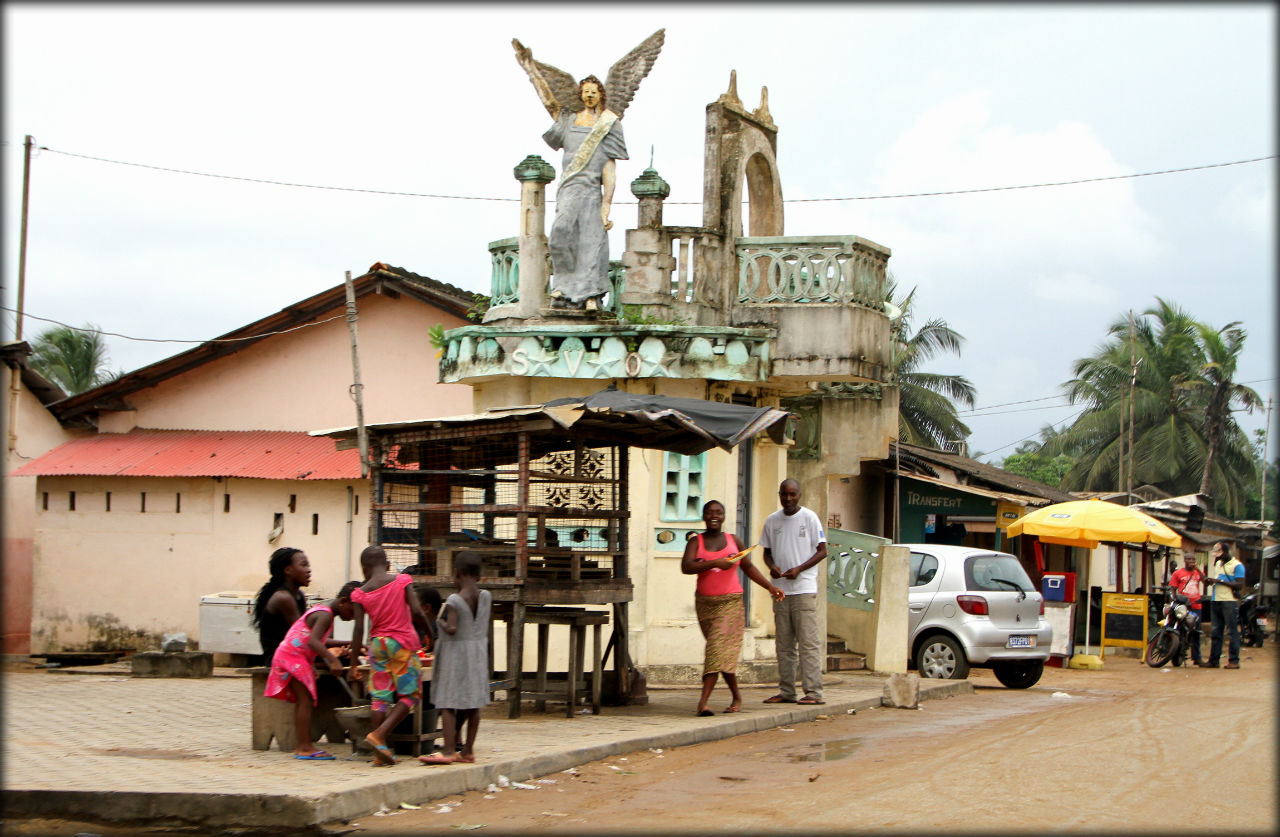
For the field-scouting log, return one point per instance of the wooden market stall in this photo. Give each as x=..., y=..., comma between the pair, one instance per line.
x=540, y=494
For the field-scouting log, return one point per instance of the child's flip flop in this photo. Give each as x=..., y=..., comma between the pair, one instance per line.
x=381, y=752
x=317, y=755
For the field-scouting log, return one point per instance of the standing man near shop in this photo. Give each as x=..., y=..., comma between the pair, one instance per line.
x=1190, y=582
x=1228, y=581
x=794, y=544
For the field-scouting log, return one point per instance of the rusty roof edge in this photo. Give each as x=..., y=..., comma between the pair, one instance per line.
x=68, y=409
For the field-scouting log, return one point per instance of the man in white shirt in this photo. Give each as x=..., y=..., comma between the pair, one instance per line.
x=794, y=544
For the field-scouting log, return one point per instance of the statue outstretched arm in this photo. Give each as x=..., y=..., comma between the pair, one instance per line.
x=608, y=178
x=524, y=57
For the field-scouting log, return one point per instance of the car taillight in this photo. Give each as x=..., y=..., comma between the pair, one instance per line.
x=973, y=605
x=1042, y=606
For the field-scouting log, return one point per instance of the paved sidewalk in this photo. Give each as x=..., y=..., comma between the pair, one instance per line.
x=112, y=747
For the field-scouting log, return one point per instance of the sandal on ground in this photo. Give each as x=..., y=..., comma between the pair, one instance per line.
x=314, y=755
x=705, y=713
x=382, y=754
x=779, y=699
x=440, y=758
x=732, y=709
x=810, y=701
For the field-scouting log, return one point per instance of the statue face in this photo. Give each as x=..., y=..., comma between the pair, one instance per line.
x=591, y=94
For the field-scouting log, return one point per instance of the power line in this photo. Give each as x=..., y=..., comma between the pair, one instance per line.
x=174, y=340
x=1010, y=404
x=1033, y=435
x=675, y=203
x=1024, y=410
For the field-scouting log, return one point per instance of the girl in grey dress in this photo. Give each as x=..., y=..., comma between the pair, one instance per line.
x=460, y=673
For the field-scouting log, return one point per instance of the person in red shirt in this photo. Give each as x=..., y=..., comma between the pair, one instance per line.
x=1190, y=582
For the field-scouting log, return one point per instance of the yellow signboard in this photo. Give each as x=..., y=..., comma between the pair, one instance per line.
x=1007, y=512
x=1124, y=620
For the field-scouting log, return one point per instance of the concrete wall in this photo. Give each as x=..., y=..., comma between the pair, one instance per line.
x=120, y=578
x=35, y=431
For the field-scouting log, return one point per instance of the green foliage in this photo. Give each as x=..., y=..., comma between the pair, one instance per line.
x=1185, y=439
x=73, y=358
x=1031, y=461
x=1038, y=467
x=926, y=400
x=436, y=334
x=479, y=308
x=634, y=315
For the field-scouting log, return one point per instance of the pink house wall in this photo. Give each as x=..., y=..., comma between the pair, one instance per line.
x=300, y=381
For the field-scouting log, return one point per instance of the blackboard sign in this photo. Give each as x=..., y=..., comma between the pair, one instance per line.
x=1124, y=620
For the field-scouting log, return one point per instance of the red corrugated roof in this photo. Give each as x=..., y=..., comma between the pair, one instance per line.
x=253, y=454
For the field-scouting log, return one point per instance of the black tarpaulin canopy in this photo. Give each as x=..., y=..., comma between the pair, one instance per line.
x=681, y=425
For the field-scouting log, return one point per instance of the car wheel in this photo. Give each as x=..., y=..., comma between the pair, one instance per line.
x=1021, y=674
x=941, y=657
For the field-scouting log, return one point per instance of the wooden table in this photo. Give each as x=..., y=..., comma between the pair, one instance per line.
x=576, y=619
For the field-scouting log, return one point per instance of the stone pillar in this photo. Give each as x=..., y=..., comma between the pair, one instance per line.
x=648, y=255
x=534, y=174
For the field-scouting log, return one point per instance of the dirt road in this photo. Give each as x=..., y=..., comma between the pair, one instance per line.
x=1127, y=749
x=1082, y=751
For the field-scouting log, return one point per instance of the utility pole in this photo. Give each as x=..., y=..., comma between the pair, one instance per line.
x=15, y=378
x=22, y=241
x=357, y=388
x=1133, y=381
x=1266, y=437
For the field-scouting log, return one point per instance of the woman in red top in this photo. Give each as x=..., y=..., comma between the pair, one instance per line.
x=719, y=601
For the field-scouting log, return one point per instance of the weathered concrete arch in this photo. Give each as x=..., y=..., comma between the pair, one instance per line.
x=764, y=196
x=741, y=161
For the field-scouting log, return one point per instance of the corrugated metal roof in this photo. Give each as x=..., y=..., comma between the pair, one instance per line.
x=251, y=454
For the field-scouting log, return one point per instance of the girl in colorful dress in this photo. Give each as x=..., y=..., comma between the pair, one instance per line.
x=718, y=602
x=293, y=674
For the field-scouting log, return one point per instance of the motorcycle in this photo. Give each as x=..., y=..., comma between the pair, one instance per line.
x=1252, y=619
x=1172, y=642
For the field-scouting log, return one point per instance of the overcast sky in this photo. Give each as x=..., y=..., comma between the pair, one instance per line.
x=869, y=100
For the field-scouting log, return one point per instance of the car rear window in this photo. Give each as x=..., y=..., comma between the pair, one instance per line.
x=923, y=569
x=995, y=571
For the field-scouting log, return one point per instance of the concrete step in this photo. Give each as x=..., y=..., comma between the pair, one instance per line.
x=846, y=661
x=835, y=644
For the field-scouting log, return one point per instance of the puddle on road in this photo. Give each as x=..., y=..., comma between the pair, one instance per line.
x=143, y=753
x=829, y=750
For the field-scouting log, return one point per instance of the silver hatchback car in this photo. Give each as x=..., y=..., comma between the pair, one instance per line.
x=974, y=607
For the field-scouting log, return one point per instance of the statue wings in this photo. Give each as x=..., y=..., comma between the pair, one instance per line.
x=620, y=87
x=627, y=71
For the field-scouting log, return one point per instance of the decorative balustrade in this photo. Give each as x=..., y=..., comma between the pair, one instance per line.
x=504, y=281
x=504, y=284
x=692, y=271
x=820, y=269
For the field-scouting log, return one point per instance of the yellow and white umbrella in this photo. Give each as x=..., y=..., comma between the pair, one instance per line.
x=1087, y=523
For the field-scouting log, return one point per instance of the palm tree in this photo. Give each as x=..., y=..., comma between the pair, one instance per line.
x=1166, y=426
x=926, y=400
x=1221, y=349
x=1171, y=404
x=73, y=358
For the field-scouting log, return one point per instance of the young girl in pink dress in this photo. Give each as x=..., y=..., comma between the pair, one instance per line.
x=293, y=674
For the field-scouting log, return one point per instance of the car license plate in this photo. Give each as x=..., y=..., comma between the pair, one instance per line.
x=1021, y=642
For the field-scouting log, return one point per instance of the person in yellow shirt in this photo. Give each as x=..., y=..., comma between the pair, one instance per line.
x=1228, y=581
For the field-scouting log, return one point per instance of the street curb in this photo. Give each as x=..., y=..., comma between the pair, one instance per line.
x=293, y=810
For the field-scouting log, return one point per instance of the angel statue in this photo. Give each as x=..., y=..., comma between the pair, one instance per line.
x=588, y=127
